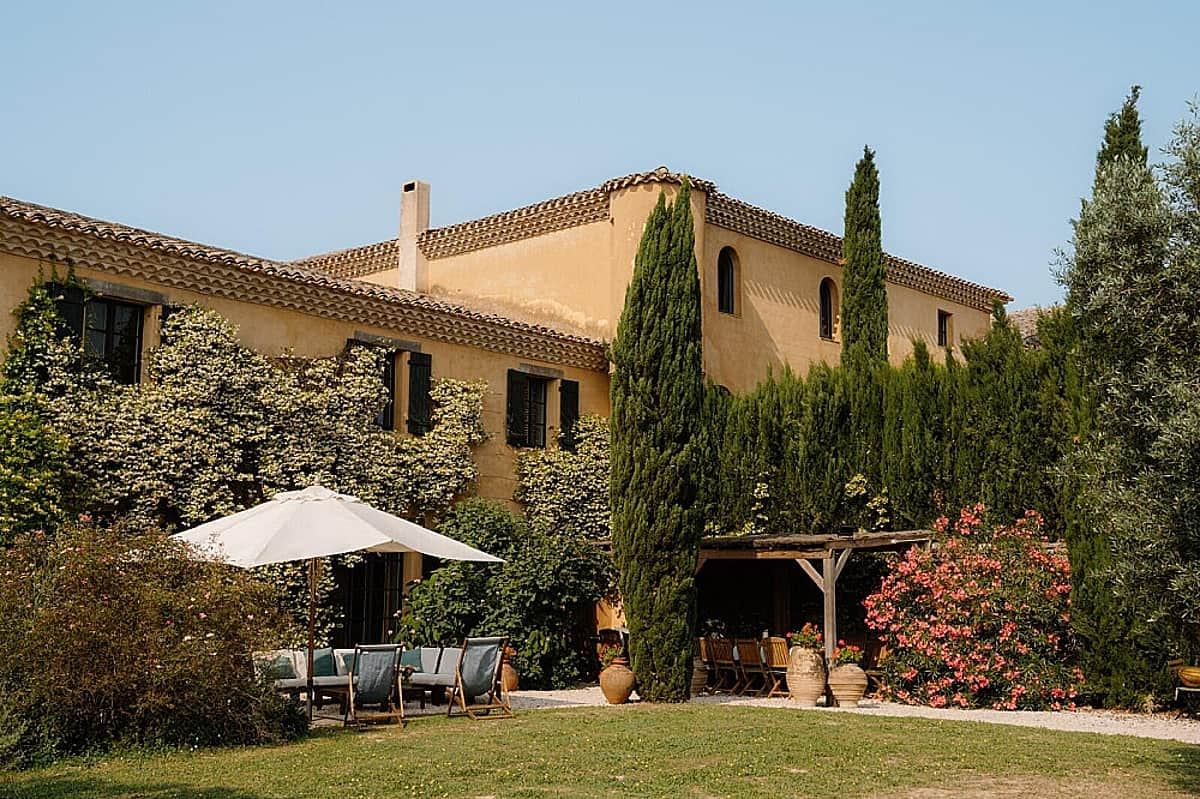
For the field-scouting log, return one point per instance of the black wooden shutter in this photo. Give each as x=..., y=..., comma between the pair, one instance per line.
x=518, y=409
x=70, y=302
x=420, y=405
x=568, y=413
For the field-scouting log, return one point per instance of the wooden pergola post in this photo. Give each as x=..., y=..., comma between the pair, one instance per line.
x=826, y=580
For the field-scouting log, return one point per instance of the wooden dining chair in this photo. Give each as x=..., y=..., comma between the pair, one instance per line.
x=750, y=665
x=775, y=659
x=709, y=666
x=728, y=676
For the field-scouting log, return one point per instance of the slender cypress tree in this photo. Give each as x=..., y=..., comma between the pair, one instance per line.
x=657, y=397
x=864, y=319
x=864, y=295
x=1123, y=134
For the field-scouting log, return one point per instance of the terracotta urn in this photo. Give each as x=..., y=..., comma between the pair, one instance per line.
x=805, y=676
x=848, y=683
x=616, y=681
x=508, y=678
x=699, y=676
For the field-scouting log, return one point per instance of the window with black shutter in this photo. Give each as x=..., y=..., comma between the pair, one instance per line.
x=526, y=410
x=70, y=301
x=568, y=413
x=112, y=333
x=387, y=414
x=165, y=314
x=420, y=404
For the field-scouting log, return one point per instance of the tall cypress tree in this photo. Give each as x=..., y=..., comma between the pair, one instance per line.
x=864, y=295
x=864, y=318
x=657, y=397
x=1123, y=134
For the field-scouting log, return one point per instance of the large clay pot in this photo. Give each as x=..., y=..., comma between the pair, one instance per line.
x=699, y=676
x=616, y=682
x=848, y=683
x=805, y=676
x=508, y=678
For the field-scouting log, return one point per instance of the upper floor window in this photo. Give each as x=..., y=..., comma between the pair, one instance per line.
x=387, y=414
x=727, y=281
x=945, y=328
x=113, y=334
x=420, y=403
x=827, y=314
x=526, y=410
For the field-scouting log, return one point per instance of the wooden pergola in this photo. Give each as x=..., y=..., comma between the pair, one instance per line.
x=830, y=552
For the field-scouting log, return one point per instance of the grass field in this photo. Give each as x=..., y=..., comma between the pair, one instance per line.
x=635, y=751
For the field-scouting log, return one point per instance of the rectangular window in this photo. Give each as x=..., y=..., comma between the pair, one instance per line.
x=387, y=414
x=420, y=405
x=112, y=333
x=568, y=413
x=526, y=410
x=945, y=330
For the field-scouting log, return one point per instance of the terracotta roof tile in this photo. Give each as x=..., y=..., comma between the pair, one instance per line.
x=38, y=231
x=591, y=205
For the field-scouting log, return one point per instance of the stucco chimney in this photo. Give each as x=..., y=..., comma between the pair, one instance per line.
x=414, y=220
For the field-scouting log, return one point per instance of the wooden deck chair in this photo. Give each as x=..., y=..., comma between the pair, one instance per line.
x=750, y=664
x=709, y=666
x=728, y=676
x=374, y=679
x=775, y=658
x=478, y=675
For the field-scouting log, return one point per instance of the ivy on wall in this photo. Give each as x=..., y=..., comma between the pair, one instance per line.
x=216, y=427
x=567, y=492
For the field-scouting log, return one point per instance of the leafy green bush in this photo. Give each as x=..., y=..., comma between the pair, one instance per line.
x=541, y=597
x=33, y=471
x=113, y=636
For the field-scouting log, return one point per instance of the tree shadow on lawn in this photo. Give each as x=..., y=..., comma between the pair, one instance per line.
x=81, y=787
x=1183, y=768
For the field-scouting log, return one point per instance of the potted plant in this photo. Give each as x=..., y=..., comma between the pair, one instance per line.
x=806, y=665
x=509, y=678
x=616, y=678
x=847, y=680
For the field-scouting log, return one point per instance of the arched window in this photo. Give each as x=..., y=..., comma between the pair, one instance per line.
x=726, y=275
x=828, y=301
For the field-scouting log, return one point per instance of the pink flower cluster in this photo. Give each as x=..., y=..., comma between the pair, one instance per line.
x=981, y=619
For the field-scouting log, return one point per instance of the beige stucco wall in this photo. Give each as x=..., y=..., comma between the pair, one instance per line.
x=576, y=278
x=271, y=330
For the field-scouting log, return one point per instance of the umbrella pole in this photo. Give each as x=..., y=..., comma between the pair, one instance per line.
x=312, y=628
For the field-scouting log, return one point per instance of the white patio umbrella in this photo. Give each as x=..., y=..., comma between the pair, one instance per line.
x=313, y=524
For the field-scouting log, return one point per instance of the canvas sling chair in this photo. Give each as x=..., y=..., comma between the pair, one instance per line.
x=374, y=679
x=477, y=677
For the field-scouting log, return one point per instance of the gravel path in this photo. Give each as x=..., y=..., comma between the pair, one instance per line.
x=1158, y=725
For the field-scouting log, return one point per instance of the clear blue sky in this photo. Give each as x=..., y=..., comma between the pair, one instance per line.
x=286, y=129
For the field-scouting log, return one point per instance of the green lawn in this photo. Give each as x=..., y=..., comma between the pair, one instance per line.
x=686, y=750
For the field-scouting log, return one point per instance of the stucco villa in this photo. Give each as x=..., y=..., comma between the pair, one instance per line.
x=525, y=299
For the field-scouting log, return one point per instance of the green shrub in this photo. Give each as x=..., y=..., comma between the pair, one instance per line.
x=541, y=597
x=564, y=491
x=113, y=636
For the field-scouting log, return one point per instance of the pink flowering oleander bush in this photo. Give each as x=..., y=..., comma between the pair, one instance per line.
x=982, y=619
x=113, y=637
